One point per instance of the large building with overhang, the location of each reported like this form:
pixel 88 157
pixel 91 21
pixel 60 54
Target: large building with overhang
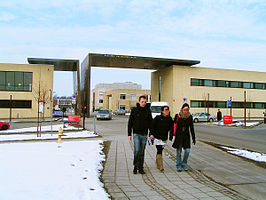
pixel 173 80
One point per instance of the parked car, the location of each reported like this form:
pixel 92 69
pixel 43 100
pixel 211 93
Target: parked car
pixel 202 117
pixel 120 112
pixel 4 125
pixel 97 109
pixel 58 113
pixel 104 114
pixel 156 108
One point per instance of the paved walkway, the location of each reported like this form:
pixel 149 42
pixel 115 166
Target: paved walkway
pixel 121 183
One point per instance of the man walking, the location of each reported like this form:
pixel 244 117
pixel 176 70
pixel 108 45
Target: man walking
pixel 219 117
pixel 140 121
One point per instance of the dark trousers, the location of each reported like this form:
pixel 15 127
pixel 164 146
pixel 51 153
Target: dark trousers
pixel 139 150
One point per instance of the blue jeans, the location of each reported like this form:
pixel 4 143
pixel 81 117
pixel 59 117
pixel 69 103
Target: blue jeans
pixel 139 150
pixel 179 162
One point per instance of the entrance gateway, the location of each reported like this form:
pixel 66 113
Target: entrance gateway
pixel 82 86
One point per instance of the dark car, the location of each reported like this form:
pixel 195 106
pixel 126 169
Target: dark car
pixel 4 125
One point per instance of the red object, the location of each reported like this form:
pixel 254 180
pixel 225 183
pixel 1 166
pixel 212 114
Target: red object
pixel 4 125
pixel 175 124
pixel 75 119
pixel 228 119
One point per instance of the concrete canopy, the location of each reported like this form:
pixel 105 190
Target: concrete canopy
pixel 136 62
pixel 59 64
pixel 121 61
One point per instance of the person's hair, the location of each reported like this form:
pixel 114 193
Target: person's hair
pixel 142 97
pixel 185 105
pixel 162 108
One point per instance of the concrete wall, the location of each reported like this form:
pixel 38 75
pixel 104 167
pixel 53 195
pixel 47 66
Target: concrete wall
pixel 42 74
pixel 176 80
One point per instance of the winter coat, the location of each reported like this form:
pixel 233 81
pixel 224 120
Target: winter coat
pixel 140 120
pixel 182 136
pixel 219 116
pixel 161 126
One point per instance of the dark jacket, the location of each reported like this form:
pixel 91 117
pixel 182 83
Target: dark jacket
pixel 161 126
pixel 219 115
pixel 140 120
pixel 182 137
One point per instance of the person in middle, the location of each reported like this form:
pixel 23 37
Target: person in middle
pixel 161 129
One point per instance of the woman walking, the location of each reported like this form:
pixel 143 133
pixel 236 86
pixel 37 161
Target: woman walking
pixel 183 123
pixel 161 126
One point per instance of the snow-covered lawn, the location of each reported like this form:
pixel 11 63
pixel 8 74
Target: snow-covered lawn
pixel 31 136
pixel 260 157
pixel 44 128
pixel 238 123
pixel 43 171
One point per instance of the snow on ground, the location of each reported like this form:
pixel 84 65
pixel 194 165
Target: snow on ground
pixel 260 157
pixel 12 137
pixel 44 128
pixel 238 123
pixel 42 171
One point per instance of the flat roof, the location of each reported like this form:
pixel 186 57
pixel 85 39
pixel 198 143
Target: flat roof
pixel 137 62
pixel 59 64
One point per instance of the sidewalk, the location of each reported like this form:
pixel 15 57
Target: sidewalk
pixel 121 183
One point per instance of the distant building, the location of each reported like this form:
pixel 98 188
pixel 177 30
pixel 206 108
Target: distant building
pixel 102 90
pixel 21 86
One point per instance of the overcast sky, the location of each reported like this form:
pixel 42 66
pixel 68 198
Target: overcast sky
pixel 221 34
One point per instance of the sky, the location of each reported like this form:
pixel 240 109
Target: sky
pixel 221 34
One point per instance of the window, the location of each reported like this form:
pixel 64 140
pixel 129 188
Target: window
pixel 196 82
pixel 133 97
pixel 258 105
pixel 15 81
pixel 235 84
pixel 15 104
pixel 208 83
pixel 259 86
pixel 122 107
pixel 221 104
pixel 101 93
pixel 100 100
pixel 221 83
pixel 246 85
pixel 122 96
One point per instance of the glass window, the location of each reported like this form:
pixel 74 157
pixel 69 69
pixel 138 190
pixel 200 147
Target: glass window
pixel 259 86
pixel 100 100
pixel 221 83
pixel 2 81
pixel 10 82
pixel 122 96
pixel 133 97
pixel 15 104
pixel 235 84
pixel 259 105
pixel 19 81
pixel 221 104
pixel 196 82
pixel 101 93
pixel 27 81
pixel 208 83
pixel 122 107
pixel 246 85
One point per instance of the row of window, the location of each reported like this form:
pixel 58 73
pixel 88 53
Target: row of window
pixel 15 81
pixel 15 104
pixel 132 96
pixel 230 84
pixel 223 104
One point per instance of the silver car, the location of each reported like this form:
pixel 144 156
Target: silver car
pixel 104 114
pixel 202 117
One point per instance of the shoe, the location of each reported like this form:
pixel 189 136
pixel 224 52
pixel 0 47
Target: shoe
pixel 179 169
pixel 135 170
pixel 141 171
pixel 186 169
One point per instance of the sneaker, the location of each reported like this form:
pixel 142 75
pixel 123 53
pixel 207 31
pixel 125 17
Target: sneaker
pixel 141 171
pixel 135 170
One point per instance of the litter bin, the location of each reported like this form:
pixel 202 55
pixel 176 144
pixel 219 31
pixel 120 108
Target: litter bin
pixel 264 117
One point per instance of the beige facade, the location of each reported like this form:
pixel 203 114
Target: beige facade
pixel 25 94
pixel 216 84
pixel 98 97
pixel 122 98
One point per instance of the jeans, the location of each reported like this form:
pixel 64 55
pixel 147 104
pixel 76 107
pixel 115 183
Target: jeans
pixel 179 162
pixel 139 150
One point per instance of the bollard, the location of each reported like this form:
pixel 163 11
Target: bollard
pixel 60 133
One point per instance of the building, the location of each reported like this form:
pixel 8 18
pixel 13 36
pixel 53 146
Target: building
pixel 21 86
pixel 124 99
pixel 208 87
pixel 101 88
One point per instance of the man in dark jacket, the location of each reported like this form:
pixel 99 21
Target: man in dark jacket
pixel 140 121
pixel 219 116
